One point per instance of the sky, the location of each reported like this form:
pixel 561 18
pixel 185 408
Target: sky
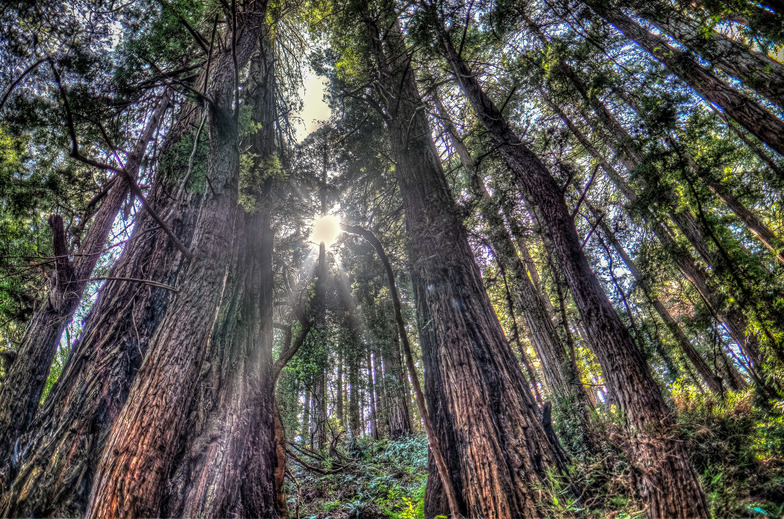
pixel 315 110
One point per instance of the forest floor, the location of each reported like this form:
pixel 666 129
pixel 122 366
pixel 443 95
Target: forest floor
pixel 737 449
pixel 371 479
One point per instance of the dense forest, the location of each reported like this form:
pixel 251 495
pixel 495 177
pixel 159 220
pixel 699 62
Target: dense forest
pixel 531 263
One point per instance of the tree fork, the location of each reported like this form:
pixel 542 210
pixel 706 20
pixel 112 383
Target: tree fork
pixel 25 379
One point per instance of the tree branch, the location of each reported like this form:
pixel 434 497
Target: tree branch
pixel 19 80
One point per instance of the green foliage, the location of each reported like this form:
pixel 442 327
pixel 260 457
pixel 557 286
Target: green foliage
pixel 60 358
pixel 382 479
pixel 31 188
pixel 736 448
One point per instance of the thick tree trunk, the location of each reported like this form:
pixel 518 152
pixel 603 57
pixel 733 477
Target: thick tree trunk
pixel 68 432
pixel 55 474
pixel 234 441
pixel 482 411
pixel 666 480
pixel 132 473
pixel 25 378
pixel 747 112
pixel 562 380
pixel 230 460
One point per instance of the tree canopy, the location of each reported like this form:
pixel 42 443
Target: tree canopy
pixel 531 265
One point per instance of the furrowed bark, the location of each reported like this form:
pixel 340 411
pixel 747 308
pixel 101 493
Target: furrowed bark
pixel 562 380
pixel 25 379
pixel 66 437
pixel 131 476
pixel 732 318
pixel 236 441
pixel 232 465
pixel 483 414
pixel 708 376
pixel 665 478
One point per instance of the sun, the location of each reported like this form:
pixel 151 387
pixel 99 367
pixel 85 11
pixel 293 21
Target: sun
pixel 326 229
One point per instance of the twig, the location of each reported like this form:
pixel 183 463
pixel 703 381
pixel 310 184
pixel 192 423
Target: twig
pixel 312 468
pixel 19 80
pixel 75 154
pixel 585 192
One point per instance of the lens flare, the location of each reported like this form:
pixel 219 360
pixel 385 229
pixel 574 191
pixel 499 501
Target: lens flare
pixel 326 229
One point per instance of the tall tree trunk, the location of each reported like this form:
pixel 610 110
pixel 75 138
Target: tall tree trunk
pixel 708 376
pixel 533 379
pixel 55 474
pixel 382 399
pixel 306 436
pixel 229 461
pixel 131 476
pixel 371 388
pixel 482 411
pixel 319 411
pixel 398 415
pixel 757 227
pixel 339 394
pixel 235 434
pixel 562 380
pixel 747 112
pixel 733 319
pixel 354 423
pixel 25 378
pixel 756 71
pixel 666 479
pixel 353 354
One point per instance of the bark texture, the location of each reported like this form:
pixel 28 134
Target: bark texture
pixel 732 318
pixel 666 480
pixel 25 379
pixel 131 476
pixel 230 464
pixel 60 453
pixel 482 411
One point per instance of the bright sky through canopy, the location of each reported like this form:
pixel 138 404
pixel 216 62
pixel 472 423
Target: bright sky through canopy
pixel 315 109
pixel 326 229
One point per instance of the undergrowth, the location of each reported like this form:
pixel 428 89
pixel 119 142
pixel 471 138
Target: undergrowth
pixel 377 479
pixel 735 447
